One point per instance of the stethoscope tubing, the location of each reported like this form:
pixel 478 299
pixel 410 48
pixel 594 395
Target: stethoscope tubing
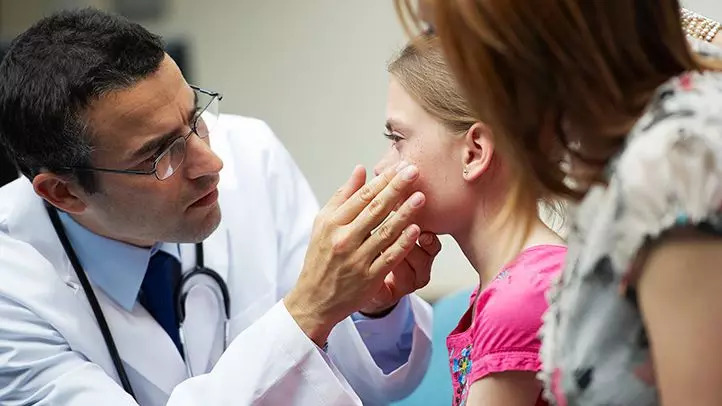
pixel 180 296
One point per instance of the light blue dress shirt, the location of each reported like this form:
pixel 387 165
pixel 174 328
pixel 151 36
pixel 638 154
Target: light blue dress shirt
pixel 118 269
pixel 115 267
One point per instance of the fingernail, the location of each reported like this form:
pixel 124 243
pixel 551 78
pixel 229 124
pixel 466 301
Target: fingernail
pixel 417 199
pixel 410 172
pixel 402 165
pixel 425 239
pixel 413 231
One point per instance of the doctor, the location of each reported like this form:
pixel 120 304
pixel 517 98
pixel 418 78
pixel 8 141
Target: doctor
pixel 122 285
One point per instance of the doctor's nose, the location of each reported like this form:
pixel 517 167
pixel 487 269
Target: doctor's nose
pixel 390 158
pixel 200 159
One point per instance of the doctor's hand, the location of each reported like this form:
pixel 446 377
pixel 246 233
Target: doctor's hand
pixel 346 266
pixel 412 274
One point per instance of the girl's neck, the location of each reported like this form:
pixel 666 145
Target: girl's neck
pixel 489 250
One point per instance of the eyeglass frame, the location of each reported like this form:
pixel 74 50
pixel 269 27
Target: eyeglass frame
pixel 154 171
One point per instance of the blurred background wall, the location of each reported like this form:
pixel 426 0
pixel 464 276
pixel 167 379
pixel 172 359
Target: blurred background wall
pixel 313 69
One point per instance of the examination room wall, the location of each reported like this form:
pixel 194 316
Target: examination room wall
pixel 313 69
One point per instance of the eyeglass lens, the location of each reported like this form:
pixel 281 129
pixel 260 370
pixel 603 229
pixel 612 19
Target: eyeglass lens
pixel 202 125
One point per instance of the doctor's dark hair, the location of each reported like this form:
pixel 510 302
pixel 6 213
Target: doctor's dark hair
pixel 53 72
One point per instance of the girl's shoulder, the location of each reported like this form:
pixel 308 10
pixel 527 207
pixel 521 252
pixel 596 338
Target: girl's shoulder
pixel 505 330
pixel 516 299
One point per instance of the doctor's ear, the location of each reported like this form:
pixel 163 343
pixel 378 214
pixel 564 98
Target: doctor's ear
pixel 60 191
pixel 478 151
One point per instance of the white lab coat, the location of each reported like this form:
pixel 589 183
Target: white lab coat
pixel 52 352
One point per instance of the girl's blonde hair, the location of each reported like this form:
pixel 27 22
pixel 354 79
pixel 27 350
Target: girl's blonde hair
pixel 422 70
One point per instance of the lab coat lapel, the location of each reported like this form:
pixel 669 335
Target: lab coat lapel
pixel 203 327
pixel 30 223
pixel 143 344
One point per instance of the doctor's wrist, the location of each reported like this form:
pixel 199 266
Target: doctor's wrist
pixel 378 312
pixel 313 326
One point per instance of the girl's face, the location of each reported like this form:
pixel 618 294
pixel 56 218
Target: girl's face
pixel 418 138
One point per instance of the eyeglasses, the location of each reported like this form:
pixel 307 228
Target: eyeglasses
pixel 170 158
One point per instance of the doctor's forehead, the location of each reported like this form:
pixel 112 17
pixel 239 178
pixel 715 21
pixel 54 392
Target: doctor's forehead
pixel 154 104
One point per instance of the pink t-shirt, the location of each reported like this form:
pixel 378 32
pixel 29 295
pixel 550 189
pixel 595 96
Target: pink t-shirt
pixel 504 333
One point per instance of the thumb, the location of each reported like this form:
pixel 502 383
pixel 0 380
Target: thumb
pixel 385 293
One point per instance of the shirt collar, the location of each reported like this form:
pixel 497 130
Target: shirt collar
pixel 115 267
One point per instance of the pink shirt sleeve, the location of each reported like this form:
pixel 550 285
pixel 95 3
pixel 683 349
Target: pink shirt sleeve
pixel 505 331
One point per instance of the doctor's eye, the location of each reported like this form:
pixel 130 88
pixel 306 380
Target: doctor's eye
pixel 147 163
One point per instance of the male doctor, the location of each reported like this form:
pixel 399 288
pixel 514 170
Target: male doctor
pixel 97 244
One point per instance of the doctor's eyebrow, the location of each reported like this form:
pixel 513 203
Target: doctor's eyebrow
pixel 159 142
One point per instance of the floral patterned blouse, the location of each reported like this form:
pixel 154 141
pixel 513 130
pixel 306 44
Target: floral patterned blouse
pixel 595 349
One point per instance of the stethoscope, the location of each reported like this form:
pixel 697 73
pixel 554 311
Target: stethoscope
pixel 199 276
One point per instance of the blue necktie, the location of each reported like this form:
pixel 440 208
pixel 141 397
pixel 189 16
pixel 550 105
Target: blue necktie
pixel 158 287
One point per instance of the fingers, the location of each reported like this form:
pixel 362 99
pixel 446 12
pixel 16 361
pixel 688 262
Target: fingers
pixel 430 243
pixel 378 196
pixel 405 278
pixel 361 197
pixel 419 264
pixel 390 197
pixel 417 270
pixel 402 280
pixel 352 185
pixel 421 259
pixel 384 296
pixel 394 254
pixel 389 231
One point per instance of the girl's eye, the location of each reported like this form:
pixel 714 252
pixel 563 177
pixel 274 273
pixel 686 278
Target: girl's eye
pixel 392 136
